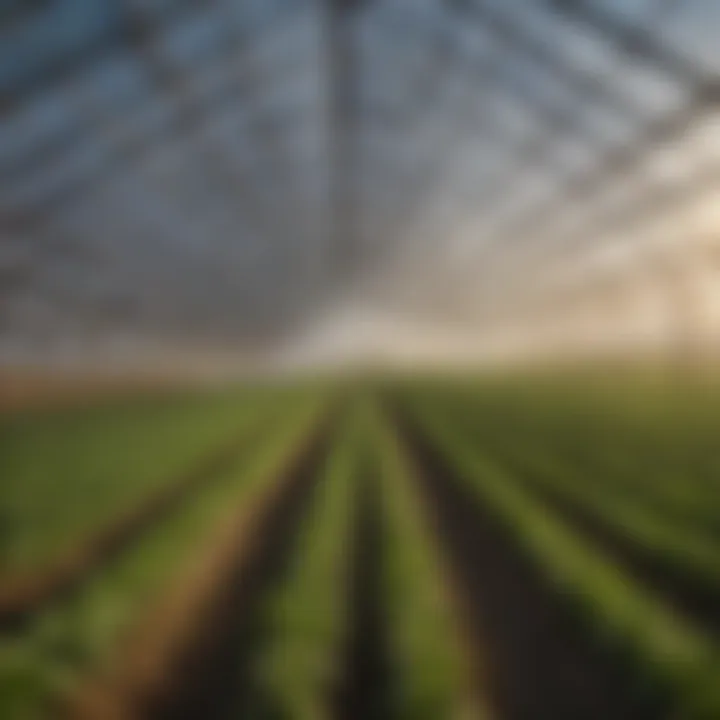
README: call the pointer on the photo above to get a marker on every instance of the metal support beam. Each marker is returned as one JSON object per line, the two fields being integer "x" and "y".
{"x": 343, "y": 112}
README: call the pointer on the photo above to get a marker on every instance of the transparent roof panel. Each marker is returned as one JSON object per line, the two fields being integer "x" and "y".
{"x": 239, "y": 134}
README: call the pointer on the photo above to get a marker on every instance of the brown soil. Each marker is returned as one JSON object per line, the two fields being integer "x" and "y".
{"x": 540, "y": 663}
{"x": 28, "y": 389}
{"x": 365, "y": 690}
{"x": 186, "y": 658}
{"x": 23, "y": 596}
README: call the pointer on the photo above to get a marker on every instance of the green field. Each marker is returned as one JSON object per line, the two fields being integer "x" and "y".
{"x": 536, "y": 547}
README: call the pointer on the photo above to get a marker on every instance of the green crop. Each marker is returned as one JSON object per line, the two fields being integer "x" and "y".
{"x": 620, "y": 612}
{"x": 78, "y": 635}
{"x": 306, "y": 617}
{"x": 66, "y": 474}
{"x": 431, "y": 668}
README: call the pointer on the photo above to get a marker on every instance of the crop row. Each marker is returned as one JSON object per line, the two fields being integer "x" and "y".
{"x": 84, "y": 633}
{"x": 667, "y": 654}
{"x": 68, "y": 475}
{"x": 348, "y": 558}
{"x": 634, "y": 512}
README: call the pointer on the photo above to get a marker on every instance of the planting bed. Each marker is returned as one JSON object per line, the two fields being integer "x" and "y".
{"x": 466, "y": 550}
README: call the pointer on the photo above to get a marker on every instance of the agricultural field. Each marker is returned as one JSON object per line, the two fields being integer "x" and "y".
{"x": 463, "y": 549}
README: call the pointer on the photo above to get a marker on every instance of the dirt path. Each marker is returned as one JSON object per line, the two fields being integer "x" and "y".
{"x": 365, "y": 689}
{"x": 214, "y": 679}
{"x": 189, "y": 657}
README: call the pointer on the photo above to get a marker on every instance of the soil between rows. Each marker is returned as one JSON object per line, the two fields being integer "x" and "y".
{"x": 537, "y": 661}
{"x": 365, "y": 689}
{"x": 213, "y": 679}
{"x": 216, "y": 682}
